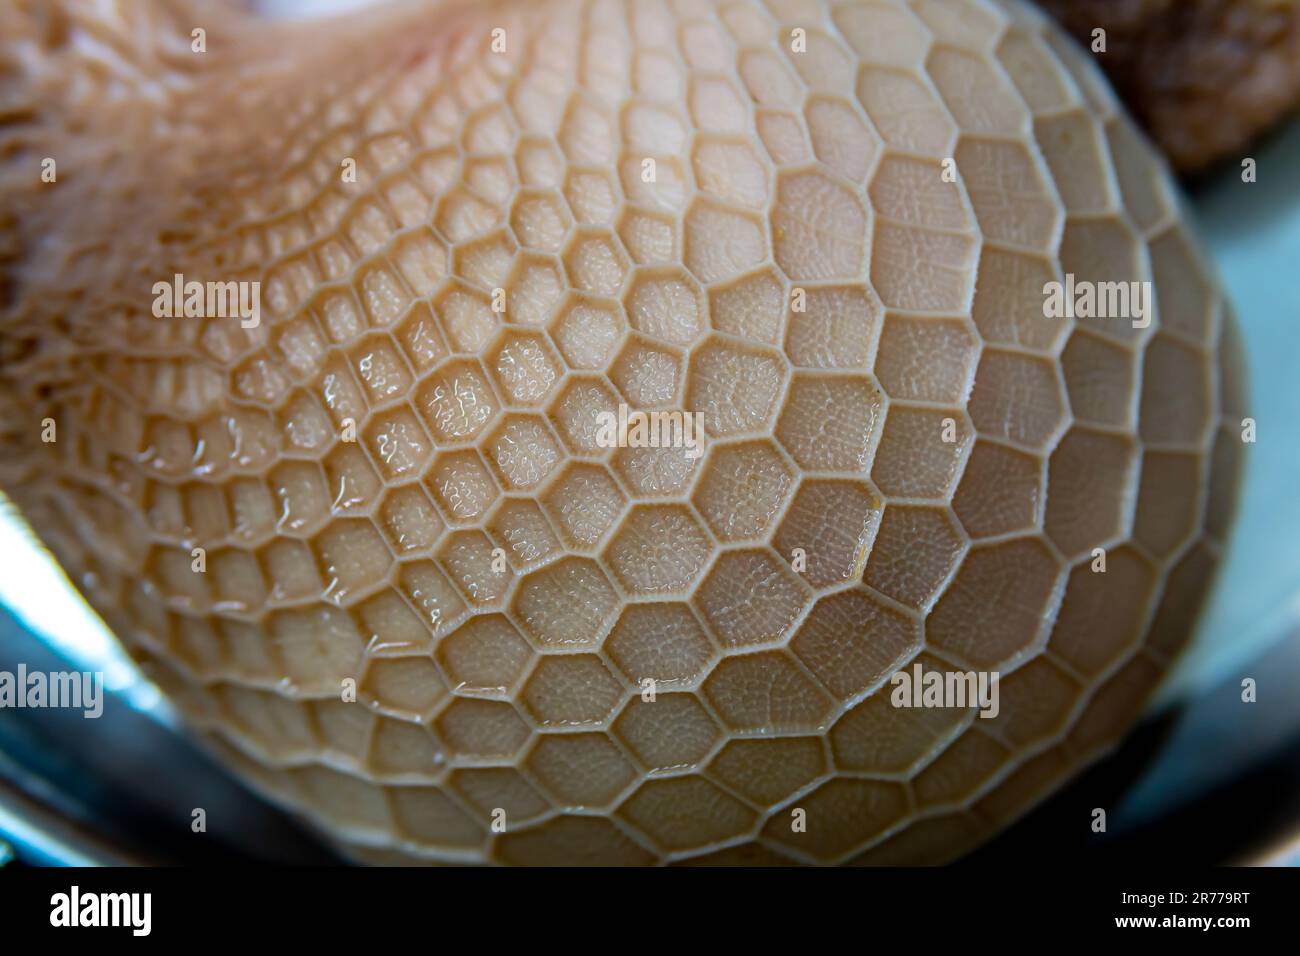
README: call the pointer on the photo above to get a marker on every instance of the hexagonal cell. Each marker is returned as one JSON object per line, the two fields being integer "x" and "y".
{"x": 836, "y": 328}
{"x": 1184, "y": 297}
{"x": 237, "y": 580}
{"x": 305, "y": 425}
{"x": 1017, "y": 398}
{"x": 660, "y": 642}
{"x": 461, "y": 216}
{"x": 536, "y": 290}
{"x": 519, "y": 527}
{"x": 914, "y": 192}
{"x": 592, "y": 197}
{"x": 830, "y": 526}
{"x": 1147, "y": 198}
{"x": 851, "y": 641}
{"x": 462, "y": 486}
{"x": 353, "y": 558}
{"x": 523, "y": 451}
{"x": 926, "y": 360}
{"x": 485, "y": 729}
{"x": 525, "y": 368}
{"x": 540, "y": 220}
{"x": 402, "y": 749}
{"x": 422, "y": 342}
{"x": 580, "y": 769}
{"x": 353, "y": 484}
{"x": 302, "y": 496}
{"x": 409, "y": 520}
{"x": 907, "y": 115}
{"x": 343, "y": 728}
{"x": 722, "y": 243}
{"x": 752, "y": 307}
{"x": 317, "y": 647}
{"x": 596, "y": 264}
{"x": 1109, "y": 255}
{"x": 1035, "y": 704}
{"x": 784, "y": 137}
{"x": 769, "y": 771}
{"x": 1074, "y": 146}
{"x": 269, "y": 723}
{"x": 1001, "y": 491}
{"x": 578, "y": 414}
{"x": 467, "y": 318}
{"x": 883, "y": 33}
{"x": 874, "y": 736}
{"x": 1101, "y": 378}
{"x": 1169, "y": 500}
{"x": 646, "y": 374}
{"x": 566, "y": 604}
{"x": 587, "y": 333}
{"x": 839, "y": 138}
{"x": 735, "y": 387}
{"x": 539, "y": 162}
{"x": 766, "y": 692}
{"x": 456, "y": 402}
{"x": 1102, "y": 616}
{"x": 379, "y": 366}
{"x": 419, "y": 256}
{"x": 407, "y": 684}
{"x": 487, "y": 262}
{"x": 659, "y": 549}
{"x": 829, "y": 424}
{"x": 398, "y": 443}
{"x": 571, "y": 690}
{"x": 666, "y": 304}
{"x": 743, "y": 490}
{"x": 923, "y": 270}
{"x": 649, "y": 238}
{"x": 338, "y": 391}
{"x": 683, "y": 813}
{"x": 671, "y": 732}
{"x": 1176, "y": 394}
{"x": 841, "y": 814}
{"x": 769, "y": 79}
{"x": 750, "y": 598}
{"x": 1012, "y": 202}
{"x": 1090, "y": 481}
{"x": 574, "y": 841}
{"x": 997, "y": 605}
{"x": 731, "y": 172}
{"x": 716, "y": 106}
{"x": 995, "y": 110}
{"x": 469, "y": 560}
{"x": 485, "y": 655}
{"x": 393, "y": 627}
{"x": 914, "y": 552}
{"x": 428, "y": 816}
{"x": 584, "y": 504}
{"x": 920, "y": 453}
{"x": 1008, "y": 304}
{"x": 432, "y": 595}
{"x": 499, "y": 793}
{"x": 291, "y": 568}
{"x": 342, "y": 800}
{"x": 961, "y": 771}
{"x": 819, "y": 227}
{"x": 657, "y": 472}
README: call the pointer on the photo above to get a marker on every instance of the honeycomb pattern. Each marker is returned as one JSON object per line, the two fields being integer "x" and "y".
{"x": 638, "y": 656}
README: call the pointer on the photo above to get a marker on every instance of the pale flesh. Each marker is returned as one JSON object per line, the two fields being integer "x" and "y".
{"x": 647, "y": 189}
